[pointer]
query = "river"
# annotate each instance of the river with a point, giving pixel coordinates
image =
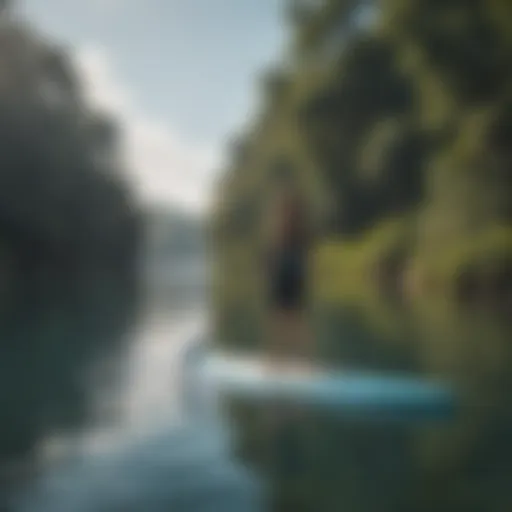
(325, 462)
(136, 452)
(312, 461)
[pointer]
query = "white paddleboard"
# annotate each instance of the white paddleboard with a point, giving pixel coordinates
(348, 392)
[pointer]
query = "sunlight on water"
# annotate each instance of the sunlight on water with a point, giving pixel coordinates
(151, 458)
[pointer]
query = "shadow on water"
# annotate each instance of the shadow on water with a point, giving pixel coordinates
(53, 339)
(319, 462)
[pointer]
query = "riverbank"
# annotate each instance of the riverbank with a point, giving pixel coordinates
(392, 260)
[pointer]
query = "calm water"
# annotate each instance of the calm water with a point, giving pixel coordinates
(118, 449)
(318, 462)
(312, 462)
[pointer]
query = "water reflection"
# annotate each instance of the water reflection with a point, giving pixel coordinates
(321, 462)
(53, 339)
(129, 449)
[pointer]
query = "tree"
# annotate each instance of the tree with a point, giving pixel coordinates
(69, 242)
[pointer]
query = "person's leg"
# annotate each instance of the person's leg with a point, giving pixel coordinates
(275, 353)
(290, 344)
(304, 342)
(275, 334)
(289, 340)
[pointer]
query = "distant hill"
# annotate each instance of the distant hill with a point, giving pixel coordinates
(173, 235)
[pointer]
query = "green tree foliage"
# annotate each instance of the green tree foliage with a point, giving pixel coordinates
(69, 238)
(61, 182)
(408, 115)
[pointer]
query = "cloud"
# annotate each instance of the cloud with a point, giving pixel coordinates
(162, 166)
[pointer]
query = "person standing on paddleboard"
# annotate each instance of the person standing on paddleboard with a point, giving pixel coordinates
(288, 250)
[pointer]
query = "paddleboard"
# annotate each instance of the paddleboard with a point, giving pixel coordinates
(359, 393)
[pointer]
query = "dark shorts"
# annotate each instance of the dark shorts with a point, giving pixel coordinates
(287, 287)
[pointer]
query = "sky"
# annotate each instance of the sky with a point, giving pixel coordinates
(179, 75)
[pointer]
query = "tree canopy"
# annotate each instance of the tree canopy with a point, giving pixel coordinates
(391, 108)
(69, 239)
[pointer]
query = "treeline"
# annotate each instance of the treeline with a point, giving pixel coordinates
(63, 199)
(69, 241)
(397, 117)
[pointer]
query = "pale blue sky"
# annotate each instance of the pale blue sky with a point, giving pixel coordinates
(189, 65)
